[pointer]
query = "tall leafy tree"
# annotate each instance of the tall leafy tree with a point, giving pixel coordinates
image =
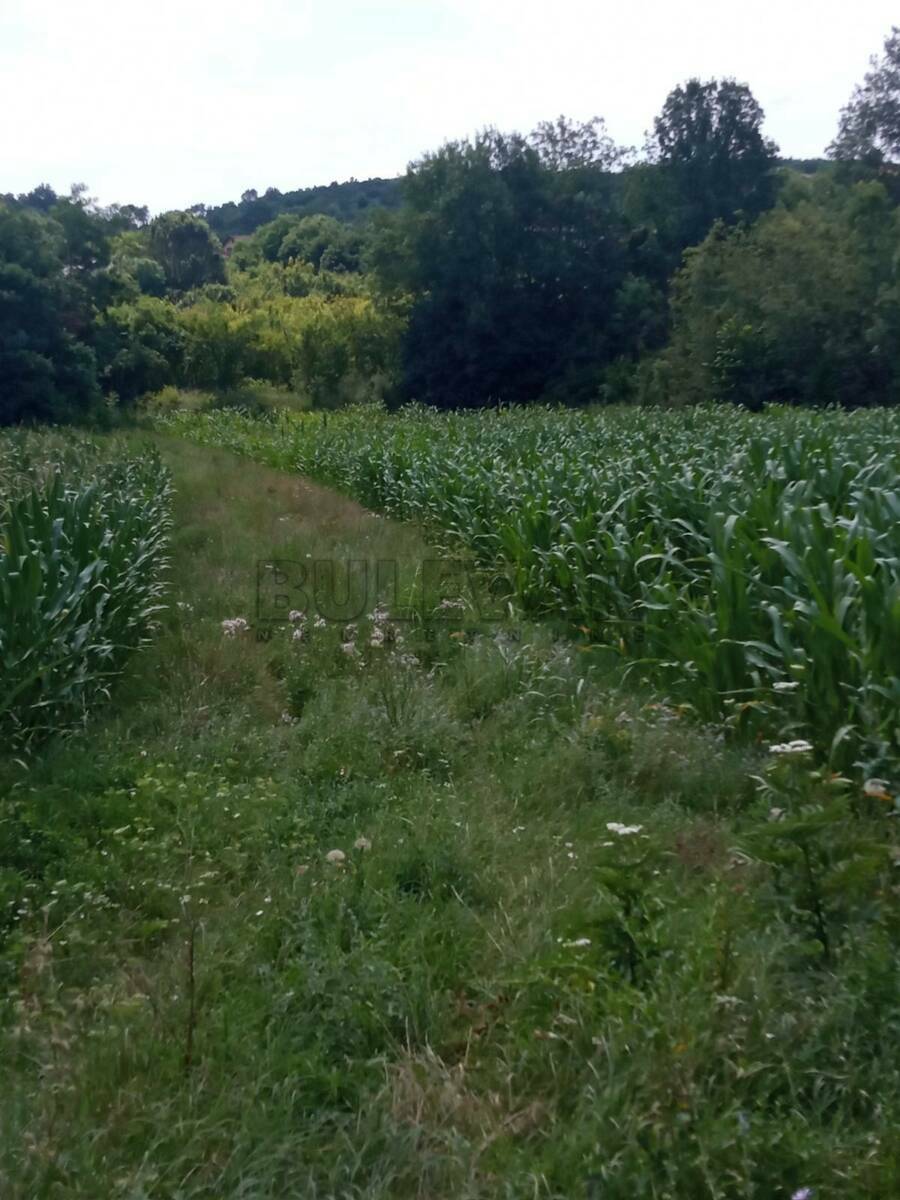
(716, 164)
(46, 371)
(870, 123)
(512, 252)
(187, 250)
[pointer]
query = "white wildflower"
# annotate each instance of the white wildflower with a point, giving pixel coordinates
(349, 648)
(798, 746)
(878, 789)
(234, 626)
(623, 830)
(377, 638)
(337, 858)
(296, 617)
(362, 843)
(577, 944)
(319, 623)
(298, 635)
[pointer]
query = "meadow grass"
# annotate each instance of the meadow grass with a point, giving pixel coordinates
(577, 944)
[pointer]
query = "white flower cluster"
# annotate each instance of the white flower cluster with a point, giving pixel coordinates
(799, 746)
(623, 830)
(235, 625)
(407, 661)
(382, 630)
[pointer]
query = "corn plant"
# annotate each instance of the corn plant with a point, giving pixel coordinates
(747, 563)
(82, 551)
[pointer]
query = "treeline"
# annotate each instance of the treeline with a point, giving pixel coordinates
(344, 201)
(557, 266)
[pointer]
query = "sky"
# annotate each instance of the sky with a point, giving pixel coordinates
(175, 102)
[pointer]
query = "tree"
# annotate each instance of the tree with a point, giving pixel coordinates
(141, 347)
(565, 145)
(870, 123)
(187, 250)
(801, 308)
(513, 260)
(323, 242)
(716, 163)
(46, 372)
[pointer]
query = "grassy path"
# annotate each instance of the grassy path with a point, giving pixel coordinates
(555, 960)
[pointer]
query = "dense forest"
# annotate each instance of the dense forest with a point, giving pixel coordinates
(506, 268)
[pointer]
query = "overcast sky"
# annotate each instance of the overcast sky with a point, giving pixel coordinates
(173, 102)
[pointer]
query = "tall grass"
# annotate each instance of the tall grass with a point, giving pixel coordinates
(82, 549)
(749, 564)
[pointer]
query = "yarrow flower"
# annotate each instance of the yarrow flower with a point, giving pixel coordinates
(319, 623)
(349, 647)
(234, 626)
(623, 830)
(298, 635)
(799, 746)
(296, 617)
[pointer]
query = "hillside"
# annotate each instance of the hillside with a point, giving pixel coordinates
(345, 201)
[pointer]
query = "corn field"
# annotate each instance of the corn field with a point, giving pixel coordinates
(82, 550)
(748, 564)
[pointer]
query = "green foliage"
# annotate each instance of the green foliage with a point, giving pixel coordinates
(142, 346)
(82, 550)
(870, 123)
(322, 242)
(344, 201)
(329, 351)
(748, 563)
(512, 263)
(715, 164)
(46, 371)
(802, 308)
(187, 250)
